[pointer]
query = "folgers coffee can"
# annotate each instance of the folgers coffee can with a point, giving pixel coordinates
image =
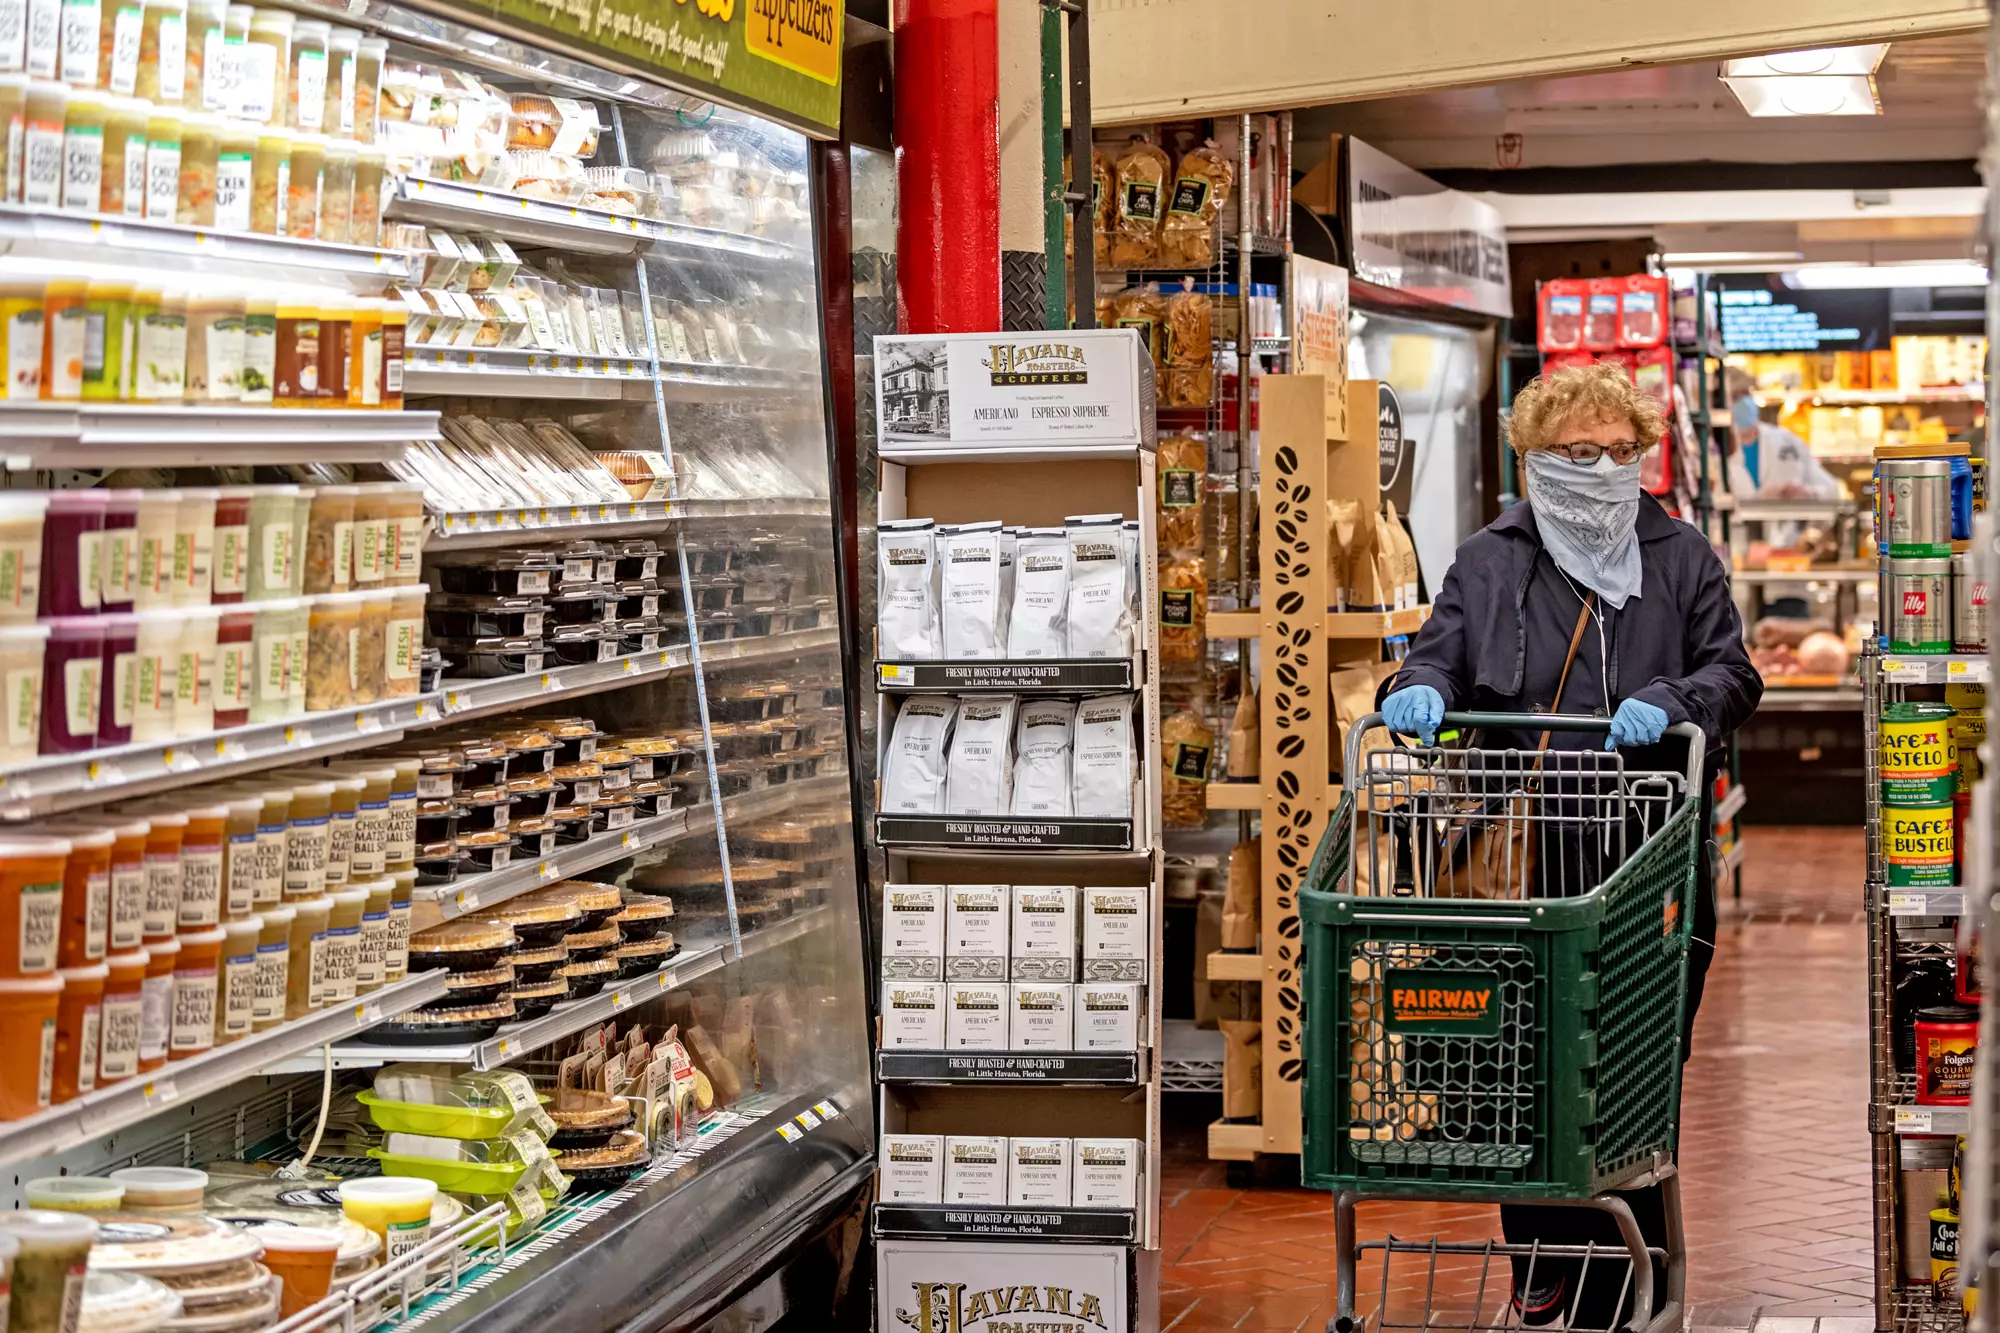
(1919, 755)
(1917, 846)
(1913, 507)
(1916, 604)
(1968, 606)
(1947, 1044)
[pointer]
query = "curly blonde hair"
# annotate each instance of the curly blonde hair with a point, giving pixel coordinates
(1601, 391)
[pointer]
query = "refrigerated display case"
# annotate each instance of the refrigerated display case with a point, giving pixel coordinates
(522, 633)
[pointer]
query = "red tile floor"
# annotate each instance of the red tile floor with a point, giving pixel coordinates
(1774, 1154)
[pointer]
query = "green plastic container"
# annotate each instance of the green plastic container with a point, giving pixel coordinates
(450, 1122)
(1495, 1050)
(453, 1177)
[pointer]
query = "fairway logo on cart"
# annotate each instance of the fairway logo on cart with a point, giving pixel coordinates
(1013, 364)
(1444, 1003)
(947, 1307)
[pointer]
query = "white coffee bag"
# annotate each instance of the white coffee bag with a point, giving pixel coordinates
(1101, 757)
(969, 611)
(906, 620)
(1100, 617)
(1039, 616)
(1042, 739)
(980, 774)
(1010, 543)
(1135, 578)
(913, 776)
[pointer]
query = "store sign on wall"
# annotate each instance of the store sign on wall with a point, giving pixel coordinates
(780, 56)
(1407, 232)
(1319, 293)
(1072, 386)
(924, 1287)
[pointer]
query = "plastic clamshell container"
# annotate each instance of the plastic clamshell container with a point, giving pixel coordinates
(454, 1177)
(450, 1122)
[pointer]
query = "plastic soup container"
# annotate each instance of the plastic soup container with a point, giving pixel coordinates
(124, 1005)
(270, 178)
(83, 149)
(165, 829)
(201, 152)
(156, 674)
(86, 897)
(273, 543)
(72, 685)
(126, 902)
(156, 1003)
(303, 185)
(372, 643)
(229, 567)
(274, 949)
(72, 572)
(301, 520)
(79, 1022)
(343, 814)
(279, 624)
(336, 193)
(162, 74)
(31, 904)
(164, 129)
(267, 62)
(203, 846)
(49, 1267)
(119, 558)
(403, 543)
(162, 1189)
(22, 652)
(42, 151)
(334, 638)
(371, 971)
(65, 317)
(306, 837)
(22, 515)
(330, 539)
(194, 545)
(371, 166)
(205, 36)
(396, 1208)
(260, 348)
(235, 146)
(239, 852)
(27, 1046)
(302, 1260)
(235, 1003)
(118, 672)
(305, 967)
(158, 528)
(194, 678)
(343, 46)
(124, 189)
(305, 106)
(343, 945)
(197, 985)
(215, 349)
(107, 310)
(235, 676)
(75, 1194)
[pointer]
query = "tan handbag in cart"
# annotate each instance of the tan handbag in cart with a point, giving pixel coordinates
(1497, 841)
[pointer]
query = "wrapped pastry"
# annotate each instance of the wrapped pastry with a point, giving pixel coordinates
(1141, 171)
(1201, 187)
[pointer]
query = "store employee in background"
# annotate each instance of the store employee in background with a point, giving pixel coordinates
(1770, 462)
(1587, 599)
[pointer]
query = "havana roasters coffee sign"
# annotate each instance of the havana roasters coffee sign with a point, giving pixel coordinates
(1000, 1288)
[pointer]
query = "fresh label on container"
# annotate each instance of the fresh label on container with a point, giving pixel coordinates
(163, 180)
(309, 89)
(20, 575)
(82, 691)
(86, 1054)
(370, 543)
(260, 73)
(343, 553)
(173, 58)
(41, 923)
(232, 543)
(267, 1003)
(156, 1014)
(128, 906)
(273, 678)
(125, 23)
(277, 555)
(163, 893)
(80, 43)
(239, 994)
(232, 192)
(124, 689)
(119, 559)
(118, 1040)
(405, 647)
(201, 886)
(194, 1009)
(24, 706)
(89, 568)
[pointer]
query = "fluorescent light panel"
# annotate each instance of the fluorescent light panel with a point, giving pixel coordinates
(1825, 277)
(1823, 81)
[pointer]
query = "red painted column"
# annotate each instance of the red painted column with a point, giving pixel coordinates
(947, 166)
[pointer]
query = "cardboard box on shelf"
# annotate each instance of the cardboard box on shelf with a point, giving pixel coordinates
(1043, 931)
(1117, 933)
(1104, 1173)
(1108, 1016)
(913, 1015)
(1041, 1019)
(912, 1168)
(1038, 1173)
(975, 1169)
(913, 921)
(976, 1015)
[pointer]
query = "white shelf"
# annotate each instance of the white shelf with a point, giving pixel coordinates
(474, 893)
(57, 435)
(689, 381)
(1952, 669)
(1866, 574)
(780, 507)
(477, 698)
(112, 1108)
(1924, 902)
(35, 233)
(1931, 1119)
(520, 373)
(522, 1039)
(67, 782)
(914, 452)
(540, 222)
(507, 527)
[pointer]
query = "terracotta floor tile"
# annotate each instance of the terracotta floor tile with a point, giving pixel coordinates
(1774, 1150)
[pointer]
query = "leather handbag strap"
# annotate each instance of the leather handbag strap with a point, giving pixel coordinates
(1575, 641)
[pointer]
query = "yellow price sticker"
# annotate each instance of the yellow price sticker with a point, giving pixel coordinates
(1957, 668)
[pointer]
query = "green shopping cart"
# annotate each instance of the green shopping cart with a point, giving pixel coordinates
(1495, 973)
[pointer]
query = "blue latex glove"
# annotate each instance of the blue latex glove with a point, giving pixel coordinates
(1414, 711)
(1636, 723)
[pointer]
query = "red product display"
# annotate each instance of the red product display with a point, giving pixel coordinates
(71, 686)
(1947, 1044)
(72, 553)
(1600, 314)
(1559, 314)
(1642, 311)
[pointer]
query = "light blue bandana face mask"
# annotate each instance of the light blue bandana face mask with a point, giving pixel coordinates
(1588, 514)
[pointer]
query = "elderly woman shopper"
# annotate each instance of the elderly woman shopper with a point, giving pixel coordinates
(1587, 599)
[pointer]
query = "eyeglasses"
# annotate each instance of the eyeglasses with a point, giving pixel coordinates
(1584, 451)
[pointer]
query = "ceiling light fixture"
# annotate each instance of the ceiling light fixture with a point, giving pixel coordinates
(1823, 81)
(1835, 277)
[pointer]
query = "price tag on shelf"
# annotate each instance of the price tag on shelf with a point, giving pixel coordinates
(158, 1092)
(604, 513)
(895, 673)
(548, 870)
(620, 1000)
(827, 1110)
(450, 701)
(299, 734)
(467, 900)
(576, 513)
(631, 666)
(103, 771)
(627, 840)
(368, 723)
(1908, 904)
(506, 1048)
(1913, 1120)
(368, 1014)
(551, 683)
(423, 709)
(668, 980)
(1957, 668)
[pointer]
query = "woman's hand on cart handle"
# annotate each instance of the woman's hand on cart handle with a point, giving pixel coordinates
(1636, 723)
(1415, 711)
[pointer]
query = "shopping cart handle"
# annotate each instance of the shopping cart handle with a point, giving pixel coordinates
(1549, 722)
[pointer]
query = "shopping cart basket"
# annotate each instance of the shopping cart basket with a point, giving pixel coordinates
(1495, 967)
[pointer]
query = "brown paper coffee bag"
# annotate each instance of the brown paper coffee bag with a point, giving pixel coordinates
(1240, 896)
(1242, 1070)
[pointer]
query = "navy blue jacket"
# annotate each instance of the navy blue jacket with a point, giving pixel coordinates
(1679, 644)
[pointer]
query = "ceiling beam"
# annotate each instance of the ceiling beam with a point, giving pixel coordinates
(1169, 59)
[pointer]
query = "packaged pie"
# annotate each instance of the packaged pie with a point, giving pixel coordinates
(443, 1023)
(643, 916)
(585, 945)
(606, 1167)
(481, 987)
(537, 920)
(1200, 189)
(539, 962)
(642, 956)
(533, 999)
(588, 978)
(1141, 172)
(464, 945)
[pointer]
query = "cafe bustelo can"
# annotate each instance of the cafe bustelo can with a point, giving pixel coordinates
(1919, 755)
(1968, 730)
(1917, 845)
(1916, 602)
(1913, 507)
(1968, 606)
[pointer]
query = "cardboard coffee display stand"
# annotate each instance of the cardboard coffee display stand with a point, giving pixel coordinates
(1018, 808)
(1339, 582)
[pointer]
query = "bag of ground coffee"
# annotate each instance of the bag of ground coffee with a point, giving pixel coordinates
(1101, 757)
(1038, 624)
(968, 556)
(906, 622)
(1100, 616)
(1042, 740)
(980, 775)
(913, 776)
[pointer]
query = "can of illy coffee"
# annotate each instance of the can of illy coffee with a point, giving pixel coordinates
(1913, 514)
(1968, 606)
(1916, 604)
